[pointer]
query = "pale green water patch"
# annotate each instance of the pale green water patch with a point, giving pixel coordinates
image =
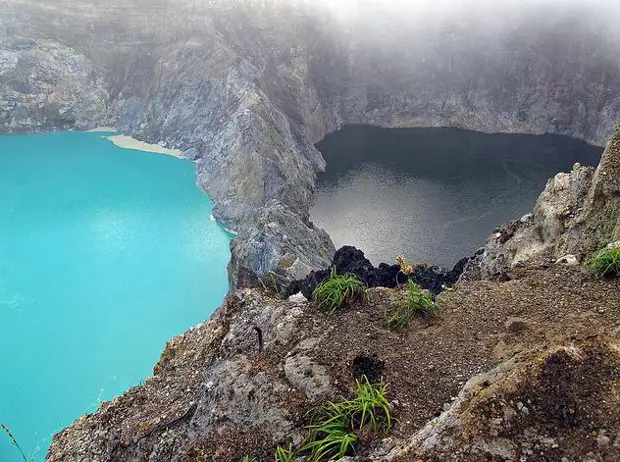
(105, 254)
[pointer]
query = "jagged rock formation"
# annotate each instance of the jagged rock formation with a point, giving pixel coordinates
(349, 260)
(246, 88)
(577, 214)
(245, 381)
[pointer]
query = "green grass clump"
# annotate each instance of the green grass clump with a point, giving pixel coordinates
(606, 263)
(330, 439)
(418, 302)
(6, 430)
(338, 426)
(285, 454)
(248, 459)
(338, 290)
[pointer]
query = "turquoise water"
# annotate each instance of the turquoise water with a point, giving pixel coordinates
(105, 254)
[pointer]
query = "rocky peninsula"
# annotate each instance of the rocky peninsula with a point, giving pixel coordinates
(522, 362)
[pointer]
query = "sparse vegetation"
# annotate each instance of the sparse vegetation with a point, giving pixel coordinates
(6, 430)
(285, 454)
(277, 289)
(418, 302)
(331, 440)
(337, 427)
(338, 290)
(606, 262)
(248, 459)
(405, 268)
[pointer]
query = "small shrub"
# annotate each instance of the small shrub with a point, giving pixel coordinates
(418, 302)
(338, 290)
(277, 289)
(337, 426)
(6, 430)
(606, 263)
(285, 454)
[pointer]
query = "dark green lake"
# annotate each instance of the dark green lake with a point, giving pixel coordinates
(433, 195)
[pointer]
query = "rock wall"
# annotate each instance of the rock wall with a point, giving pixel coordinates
(245, 89)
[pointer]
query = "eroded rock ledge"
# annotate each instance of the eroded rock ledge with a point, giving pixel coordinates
(246, 88)
(577, 214)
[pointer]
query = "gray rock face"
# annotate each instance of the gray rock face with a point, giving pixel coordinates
(48, 86)
(211, 383)
(246, 88)
(577, 214)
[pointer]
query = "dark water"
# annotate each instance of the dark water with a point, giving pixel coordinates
(433, 195)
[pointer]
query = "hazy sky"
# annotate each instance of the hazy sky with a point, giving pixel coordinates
(454, 8)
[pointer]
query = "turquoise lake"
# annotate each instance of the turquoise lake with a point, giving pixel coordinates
(105, 254)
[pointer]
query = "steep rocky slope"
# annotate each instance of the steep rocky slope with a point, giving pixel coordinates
(547, 339)
(246, 88)
(522, 367)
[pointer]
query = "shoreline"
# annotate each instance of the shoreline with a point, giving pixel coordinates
(127, 142)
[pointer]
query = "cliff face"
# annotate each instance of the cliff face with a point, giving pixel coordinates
(577, 214)
(33, 98)
(245, 89)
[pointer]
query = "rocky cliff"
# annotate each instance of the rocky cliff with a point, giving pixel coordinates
(246, 88)
(577, 214)
(522, 362)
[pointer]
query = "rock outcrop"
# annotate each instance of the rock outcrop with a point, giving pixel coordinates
(246, 88)
(577, 214)
(349, 260)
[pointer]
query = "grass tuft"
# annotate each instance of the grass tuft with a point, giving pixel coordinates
(605, 263)
(418, 302)
(6, 430)
(285, 454)
(337, 427)
(338, 290)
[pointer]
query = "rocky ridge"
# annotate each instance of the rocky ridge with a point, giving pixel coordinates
(217, 395)
(245, 89)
